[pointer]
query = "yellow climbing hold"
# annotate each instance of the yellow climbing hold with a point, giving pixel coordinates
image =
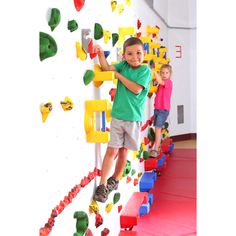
(45, 109)
(67, 104)
(80, 52)
(135, 153)
(140, 174)
(93, 207)
(107, 36)
(113, 5)
(109, 207)
(120, 8)
(128, 2)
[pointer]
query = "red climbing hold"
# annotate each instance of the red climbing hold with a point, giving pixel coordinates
(98, 220)
(139, 24)
(79, 4)
(105, 232)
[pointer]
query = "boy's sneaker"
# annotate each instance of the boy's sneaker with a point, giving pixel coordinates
(112, 184)
(101, 193)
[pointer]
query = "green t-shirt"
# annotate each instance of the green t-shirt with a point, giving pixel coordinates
(128, 105)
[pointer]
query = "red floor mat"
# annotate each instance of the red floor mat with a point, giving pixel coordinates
(173, 212)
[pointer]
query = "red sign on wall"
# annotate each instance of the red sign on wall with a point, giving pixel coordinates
(179, 51)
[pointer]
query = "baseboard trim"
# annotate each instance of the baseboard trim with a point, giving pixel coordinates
(184, 137)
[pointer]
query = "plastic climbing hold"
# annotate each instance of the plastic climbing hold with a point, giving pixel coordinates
(98, 31)
(98, 220)
(113, 5)
(119, 208)
(121, 8)
(67, 104)
(151, 134)
(55, 18)
(109, 207)
(79, 4)
(88, 76)
(82, 222)
(166, 125)
(112, 93)
(115, 38)
(135, 181)
(93, 207)
(145, 155)
(139, 24)
(106, 53)
(128, 179)
(80, 52)
(72, 25)
(128, 2)
(107, 36)
(105, 232)
(127, 168)
(88, 232)
(45, 109)
(48, 46)
(133, 171)
(116, 198)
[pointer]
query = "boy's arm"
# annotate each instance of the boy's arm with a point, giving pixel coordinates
(132, 86)
(102, 59)
(159, 80)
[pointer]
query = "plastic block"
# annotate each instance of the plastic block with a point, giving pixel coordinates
(150, 198)
(130, 215)
(144, 209)
(160, 163)
(147, 181)
(123, 31)
(92, 106)
(101, 76)
(128, 233)
(150, 164)
(152, 30)
(145, 39)
(171, 147)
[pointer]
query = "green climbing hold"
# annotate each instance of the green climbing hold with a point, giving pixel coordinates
(116, 198)
(133, 171)
(166, 125)
(55, 18)
(127, 168)
(88, 76)
(72, 25)
(145, 155)
(82, 223)
(48, 46)
(151, 134)
(98, 31)
(115, 38)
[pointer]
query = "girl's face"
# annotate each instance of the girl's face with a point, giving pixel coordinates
(165, 73)
(134, 55)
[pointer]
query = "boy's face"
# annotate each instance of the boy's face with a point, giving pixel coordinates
(134, 55)
(165, 74)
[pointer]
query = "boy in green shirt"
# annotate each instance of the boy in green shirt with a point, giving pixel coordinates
(127, 111)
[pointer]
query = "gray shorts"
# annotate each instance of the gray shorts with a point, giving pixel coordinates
(124, 133)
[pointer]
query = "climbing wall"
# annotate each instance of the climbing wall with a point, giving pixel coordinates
(65, 158)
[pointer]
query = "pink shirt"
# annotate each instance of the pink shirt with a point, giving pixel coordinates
(163, 96)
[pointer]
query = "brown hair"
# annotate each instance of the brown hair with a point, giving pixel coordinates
(131, 41)
(166, 66)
